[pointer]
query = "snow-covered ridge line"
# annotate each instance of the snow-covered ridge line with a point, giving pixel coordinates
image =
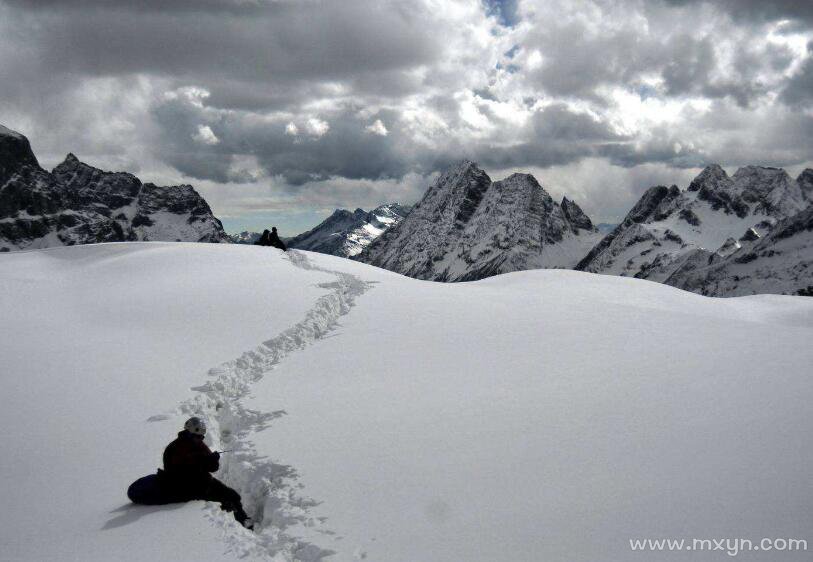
(269, 490)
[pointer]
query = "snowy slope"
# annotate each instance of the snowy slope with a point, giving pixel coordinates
(668, 226)
(548, 415)
(96, 340)
(467, 227)
(540, 415)
(79, 204)
(346, 233)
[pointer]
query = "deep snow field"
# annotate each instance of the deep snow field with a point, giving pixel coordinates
(546, 415)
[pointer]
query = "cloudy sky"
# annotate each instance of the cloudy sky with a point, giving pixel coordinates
(279, 111)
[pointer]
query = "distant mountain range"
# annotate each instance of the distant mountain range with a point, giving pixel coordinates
(245, 237)
(79, 204)
(722, 236)
(344, 233)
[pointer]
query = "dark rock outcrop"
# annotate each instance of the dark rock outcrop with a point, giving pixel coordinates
(79, 204)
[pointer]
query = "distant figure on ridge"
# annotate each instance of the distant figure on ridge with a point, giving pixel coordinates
(188, 464)
(271, 239)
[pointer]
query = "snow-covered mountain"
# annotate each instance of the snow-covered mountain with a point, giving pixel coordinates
(780, 262)
(467, 227)
(79, 204)
(346, 233)
(245, 237)
(670, 232)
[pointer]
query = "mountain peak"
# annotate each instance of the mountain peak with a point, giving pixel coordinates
(750, 168)
(71, 162)
(15, 152)
(575, 216)
(713, 177)
(759, 174)
(467, 227)
(771, 190)
(463, 168)
(518, 176)
(6, 132)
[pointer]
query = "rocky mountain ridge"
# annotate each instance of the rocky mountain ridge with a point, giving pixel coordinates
(779, 262)
(79, 204)
(669, 232)
(467, 227)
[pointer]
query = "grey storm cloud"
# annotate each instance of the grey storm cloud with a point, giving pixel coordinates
(760, 10)
(346, 148)
(799, 89)
(269, 42)
(555, 135)
(310, 96)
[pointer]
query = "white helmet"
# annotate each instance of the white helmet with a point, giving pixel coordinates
(195, 426)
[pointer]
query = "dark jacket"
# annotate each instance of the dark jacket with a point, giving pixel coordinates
(263, 240)
(270, 239)
(189, 461)
(273, 240)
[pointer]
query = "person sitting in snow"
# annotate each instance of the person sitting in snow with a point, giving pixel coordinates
(188, 464)
(263, 240)
(271, 239)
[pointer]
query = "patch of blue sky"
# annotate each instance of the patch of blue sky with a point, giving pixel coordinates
(505, 10)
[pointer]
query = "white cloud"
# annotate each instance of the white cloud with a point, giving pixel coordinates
(291, 129)
(191, 94)
(205, 135)
(317, 127)
(377, 128)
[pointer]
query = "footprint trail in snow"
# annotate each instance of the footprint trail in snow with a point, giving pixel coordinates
(270, 491)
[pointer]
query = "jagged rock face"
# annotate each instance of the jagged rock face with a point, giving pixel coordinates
(346, 233)
(79, 204)
(780, 262)
(24, 185)
(805, 181)
(467, 227)
(15, 154)
(667, 227)
(577, 219)
(770, 191)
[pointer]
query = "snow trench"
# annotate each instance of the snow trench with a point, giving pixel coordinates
(271, 493)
